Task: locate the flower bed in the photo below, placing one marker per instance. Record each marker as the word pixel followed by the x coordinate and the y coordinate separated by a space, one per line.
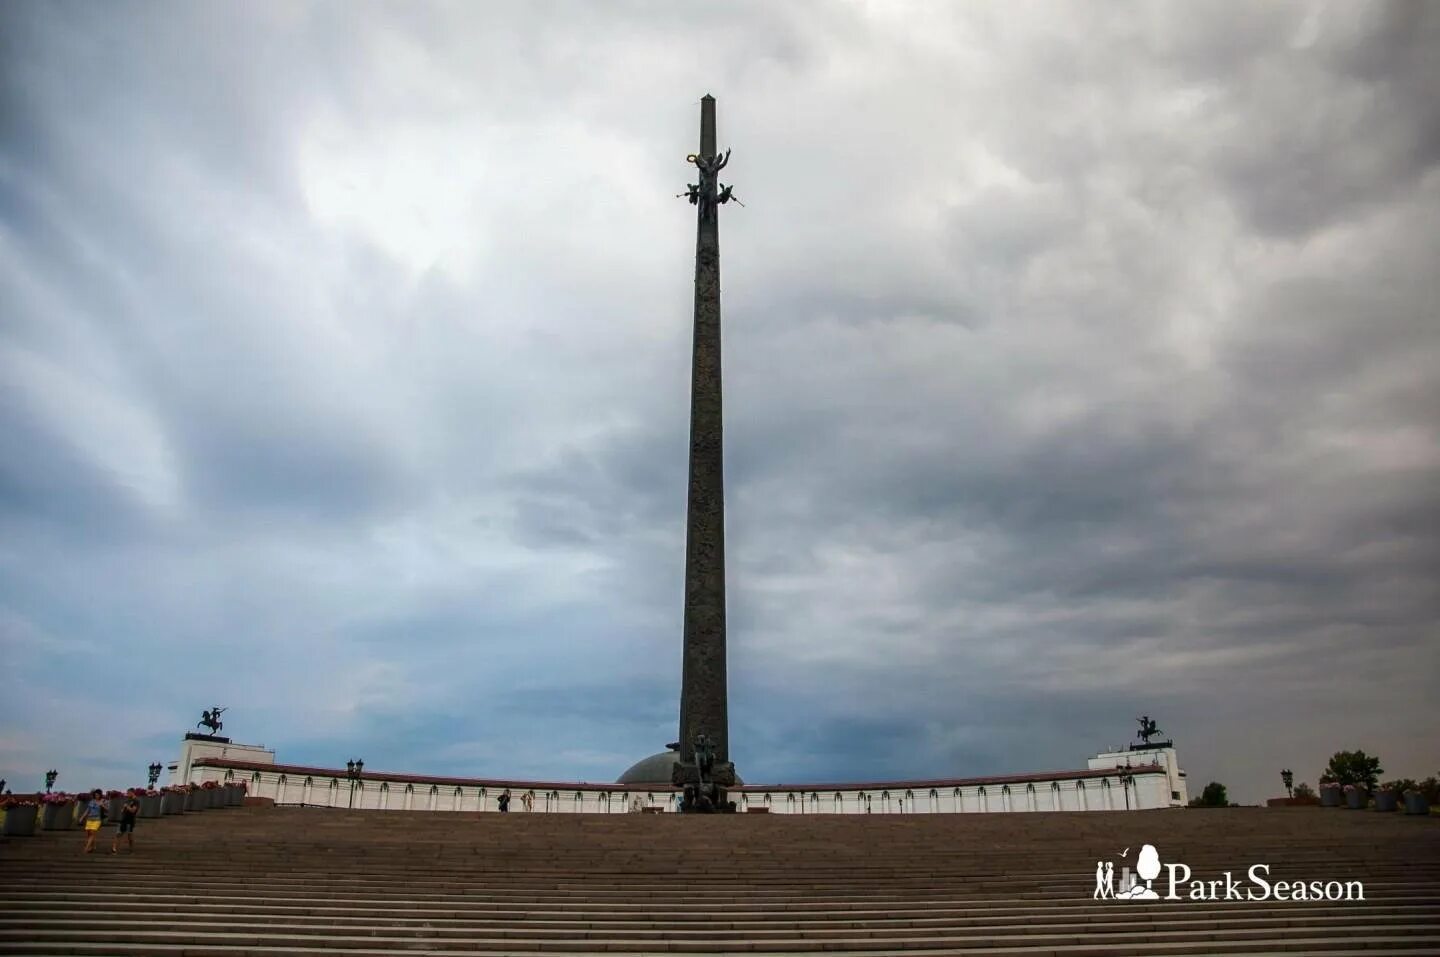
pixel 114 806
pixel 150 803
pixel 18 816
pixel 57 812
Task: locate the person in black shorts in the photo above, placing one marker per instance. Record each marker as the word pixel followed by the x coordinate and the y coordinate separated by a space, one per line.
pixel 128 813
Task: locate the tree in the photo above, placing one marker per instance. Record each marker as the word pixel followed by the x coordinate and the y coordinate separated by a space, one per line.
pixel 1212 796
pixel 1353 767
pixel 1430 787
pixel 1303 790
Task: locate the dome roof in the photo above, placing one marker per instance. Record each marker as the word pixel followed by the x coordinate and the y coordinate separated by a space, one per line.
pixel 653 770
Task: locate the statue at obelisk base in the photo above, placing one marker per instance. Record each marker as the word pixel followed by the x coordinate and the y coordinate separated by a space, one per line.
pixel 702 767
pixel 703 781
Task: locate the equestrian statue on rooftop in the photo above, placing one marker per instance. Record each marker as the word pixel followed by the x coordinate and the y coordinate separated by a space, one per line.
pixel 211 719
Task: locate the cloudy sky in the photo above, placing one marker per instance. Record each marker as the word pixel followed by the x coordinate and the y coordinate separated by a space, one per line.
pixel 1082 360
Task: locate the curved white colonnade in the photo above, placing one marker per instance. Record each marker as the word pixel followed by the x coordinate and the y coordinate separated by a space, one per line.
pixel 1151 780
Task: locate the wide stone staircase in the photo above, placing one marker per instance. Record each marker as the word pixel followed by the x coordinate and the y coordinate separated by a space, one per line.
pixel 326 882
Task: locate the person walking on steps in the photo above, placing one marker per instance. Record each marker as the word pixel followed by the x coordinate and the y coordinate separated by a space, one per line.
pixel 92 817
pixel 128 813
pixel 504 802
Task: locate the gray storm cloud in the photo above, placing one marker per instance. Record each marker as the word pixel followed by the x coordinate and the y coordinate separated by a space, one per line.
pixel 1081 361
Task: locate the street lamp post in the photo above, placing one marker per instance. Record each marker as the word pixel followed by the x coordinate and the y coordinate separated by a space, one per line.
pixel 154 770
pixel 50 777
pixel 1288 777
pixel 1126 778
pixel 353 770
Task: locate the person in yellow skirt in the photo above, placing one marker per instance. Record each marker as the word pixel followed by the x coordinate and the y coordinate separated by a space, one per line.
pixel 92 818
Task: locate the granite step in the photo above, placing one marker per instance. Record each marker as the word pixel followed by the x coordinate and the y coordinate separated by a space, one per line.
pixel 231 945
pixel 129 930
pixel 1230 917
pixel 266 881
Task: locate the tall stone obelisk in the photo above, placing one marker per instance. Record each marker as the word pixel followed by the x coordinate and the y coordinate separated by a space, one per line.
pixel 703 767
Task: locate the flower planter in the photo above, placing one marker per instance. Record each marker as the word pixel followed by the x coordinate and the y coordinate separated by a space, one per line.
pixel 1331 797
pixel 57 817
pixel 114 807
pixel 235 795
pixel 217 797
pixel 172 803
pixel 1386 800
pixel 150 805
pixel 19 820
pixel 196 800
pixel 1357 799
pixel 1415 803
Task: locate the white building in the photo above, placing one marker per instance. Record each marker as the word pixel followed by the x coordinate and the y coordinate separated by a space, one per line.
pixel 197 748
pixel 1162 755
pixel 1142 779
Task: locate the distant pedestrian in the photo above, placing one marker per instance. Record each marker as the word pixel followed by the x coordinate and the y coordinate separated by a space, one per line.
pixel 128 813
pixel 527 800
pixel 93 816
pixel 504 801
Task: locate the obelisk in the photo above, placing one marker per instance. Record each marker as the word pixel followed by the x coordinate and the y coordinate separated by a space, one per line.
pixel 705 770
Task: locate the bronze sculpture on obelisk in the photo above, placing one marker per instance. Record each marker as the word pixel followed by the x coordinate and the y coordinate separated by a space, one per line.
pixel 703 768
